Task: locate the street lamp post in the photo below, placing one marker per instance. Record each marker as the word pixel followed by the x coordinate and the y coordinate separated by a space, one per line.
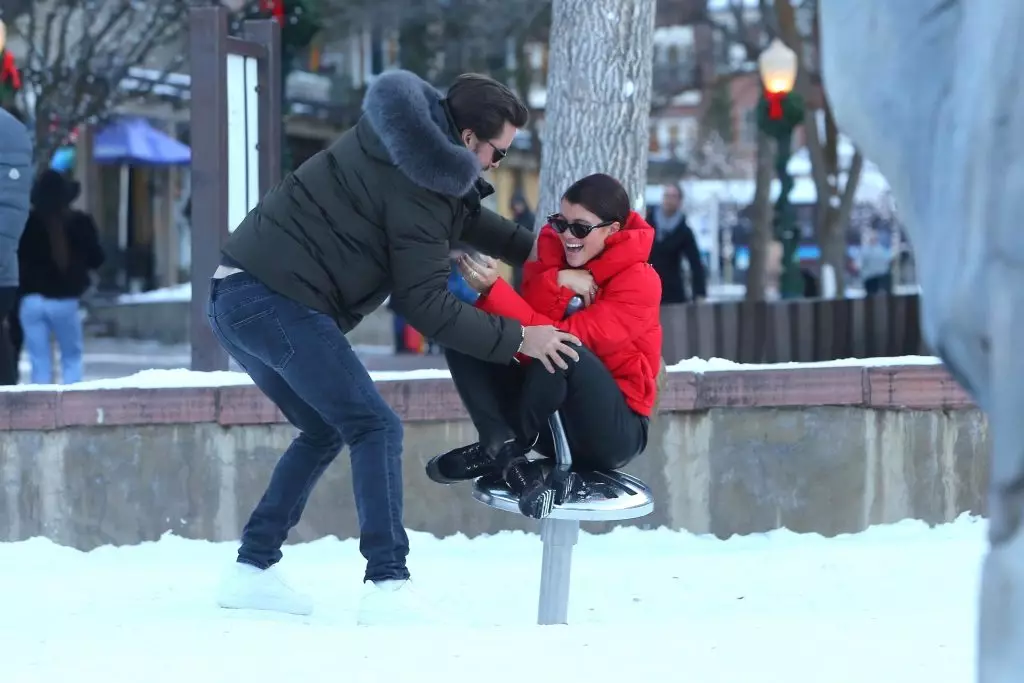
pixel 779 111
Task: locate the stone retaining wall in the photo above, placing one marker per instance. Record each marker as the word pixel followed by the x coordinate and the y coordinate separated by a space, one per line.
pixel 827 449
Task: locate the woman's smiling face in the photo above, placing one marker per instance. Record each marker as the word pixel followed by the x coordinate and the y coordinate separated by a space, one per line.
pixel 579 251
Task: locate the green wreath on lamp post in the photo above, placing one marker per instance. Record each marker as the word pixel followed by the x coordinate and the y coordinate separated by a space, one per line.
pixel 779 112
pixel 300 23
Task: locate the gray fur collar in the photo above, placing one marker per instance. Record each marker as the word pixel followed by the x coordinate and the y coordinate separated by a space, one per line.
pixel 407 115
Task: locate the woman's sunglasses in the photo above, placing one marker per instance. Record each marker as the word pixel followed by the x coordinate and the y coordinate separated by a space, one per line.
pixel 577 230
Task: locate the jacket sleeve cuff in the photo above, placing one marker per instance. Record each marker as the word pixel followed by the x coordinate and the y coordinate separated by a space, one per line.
pixel 510 342
pixel 515 311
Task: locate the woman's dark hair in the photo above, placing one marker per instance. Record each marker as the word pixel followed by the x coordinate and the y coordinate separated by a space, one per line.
pixel 601 195
pixel 51 196
pixel 483 105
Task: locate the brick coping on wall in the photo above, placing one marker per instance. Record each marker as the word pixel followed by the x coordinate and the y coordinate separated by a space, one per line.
pixel 885 387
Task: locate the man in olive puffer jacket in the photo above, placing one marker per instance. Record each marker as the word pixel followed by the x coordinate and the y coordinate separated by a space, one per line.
pixel 374 215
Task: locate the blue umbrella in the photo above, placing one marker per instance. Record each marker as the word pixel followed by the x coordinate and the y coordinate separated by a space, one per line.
pixel 133 141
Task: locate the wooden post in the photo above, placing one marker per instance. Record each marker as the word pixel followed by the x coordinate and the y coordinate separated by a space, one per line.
pixel 208 46
pixel 268 34
pixel 233 164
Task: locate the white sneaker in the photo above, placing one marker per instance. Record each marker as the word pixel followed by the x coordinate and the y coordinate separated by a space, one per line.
pixel 393 603
pixel 249 587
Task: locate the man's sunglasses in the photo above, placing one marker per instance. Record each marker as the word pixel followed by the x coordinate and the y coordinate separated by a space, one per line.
pixel 577 230
pixel 498 154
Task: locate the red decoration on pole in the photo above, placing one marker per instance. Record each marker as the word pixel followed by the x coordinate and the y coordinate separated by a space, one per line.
pixel 275 8
pixel 774 104
pixel 9 72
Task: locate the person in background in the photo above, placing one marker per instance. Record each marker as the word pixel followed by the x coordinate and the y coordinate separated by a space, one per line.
pixel 876 266
pixel 522 215
pixel 58 253
pixel 675 241
pixel 15 203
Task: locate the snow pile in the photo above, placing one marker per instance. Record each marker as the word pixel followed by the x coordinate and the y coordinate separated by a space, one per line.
pixel 175 294
pixel 182 378
pixel 702 365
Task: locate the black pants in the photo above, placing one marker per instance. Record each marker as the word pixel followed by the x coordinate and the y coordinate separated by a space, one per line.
pixel 880 284
pixel 9 347
pixel 513 401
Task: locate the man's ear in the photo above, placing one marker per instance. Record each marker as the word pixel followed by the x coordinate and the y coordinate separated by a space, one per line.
pixel 615 227
pixel 467 137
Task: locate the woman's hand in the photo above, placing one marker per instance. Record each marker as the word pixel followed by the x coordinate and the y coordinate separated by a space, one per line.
pixel 579 281
pixel 480 272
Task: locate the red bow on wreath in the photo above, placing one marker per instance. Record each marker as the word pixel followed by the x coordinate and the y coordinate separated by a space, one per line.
pixel 9 72
pixel 275 8
pixel 774 104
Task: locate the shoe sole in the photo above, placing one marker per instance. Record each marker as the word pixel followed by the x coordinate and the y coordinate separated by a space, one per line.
pixel 274 606
pixel 434 473
pixel 538 502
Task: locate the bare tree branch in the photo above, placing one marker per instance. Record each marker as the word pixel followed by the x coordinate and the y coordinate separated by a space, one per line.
pixel 80 56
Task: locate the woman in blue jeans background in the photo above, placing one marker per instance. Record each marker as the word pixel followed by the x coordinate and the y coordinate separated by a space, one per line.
pixel 58 251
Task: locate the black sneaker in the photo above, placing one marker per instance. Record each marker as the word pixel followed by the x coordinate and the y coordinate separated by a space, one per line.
pixel 526 480
pixel 462 464
pixel 566 484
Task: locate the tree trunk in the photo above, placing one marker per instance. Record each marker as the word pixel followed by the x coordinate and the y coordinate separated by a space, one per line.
pixel 598 95
pixel 761 237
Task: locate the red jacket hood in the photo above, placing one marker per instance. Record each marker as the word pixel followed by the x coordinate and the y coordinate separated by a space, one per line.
pixel 630 245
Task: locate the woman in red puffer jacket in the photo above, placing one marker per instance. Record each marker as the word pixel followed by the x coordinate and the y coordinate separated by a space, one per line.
pixel 594 250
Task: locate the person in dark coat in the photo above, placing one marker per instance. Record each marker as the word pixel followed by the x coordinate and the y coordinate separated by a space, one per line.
pixel 373 215
pixel 522 215
pixel 15 202
pixel 58 254
pixel 674 242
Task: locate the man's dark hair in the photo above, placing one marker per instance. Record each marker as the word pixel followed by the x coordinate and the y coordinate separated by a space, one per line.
pixel 483 105
pixel 601 195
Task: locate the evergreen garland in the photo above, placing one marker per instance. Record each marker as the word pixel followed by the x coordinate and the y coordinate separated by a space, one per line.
pixel 792 115
pixel 301 22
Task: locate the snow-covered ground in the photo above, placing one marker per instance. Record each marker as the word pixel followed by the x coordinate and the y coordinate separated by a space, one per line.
pixel 895 603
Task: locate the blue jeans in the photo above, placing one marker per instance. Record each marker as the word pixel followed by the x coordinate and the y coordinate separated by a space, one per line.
pixel 42 318
pixel 301 360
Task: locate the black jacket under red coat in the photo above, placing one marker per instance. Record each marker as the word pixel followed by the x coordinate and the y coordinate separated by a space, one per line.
pixel 39 271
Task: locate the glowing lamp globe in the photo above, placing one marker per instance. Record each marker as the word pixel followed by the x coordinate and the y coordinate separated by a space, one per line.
pixel 778 65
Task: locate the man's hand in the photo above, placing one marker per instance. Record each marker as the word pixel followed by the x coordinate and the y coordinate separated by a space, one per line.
pixel 481 272
pixel 579 281
pixel 548 344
